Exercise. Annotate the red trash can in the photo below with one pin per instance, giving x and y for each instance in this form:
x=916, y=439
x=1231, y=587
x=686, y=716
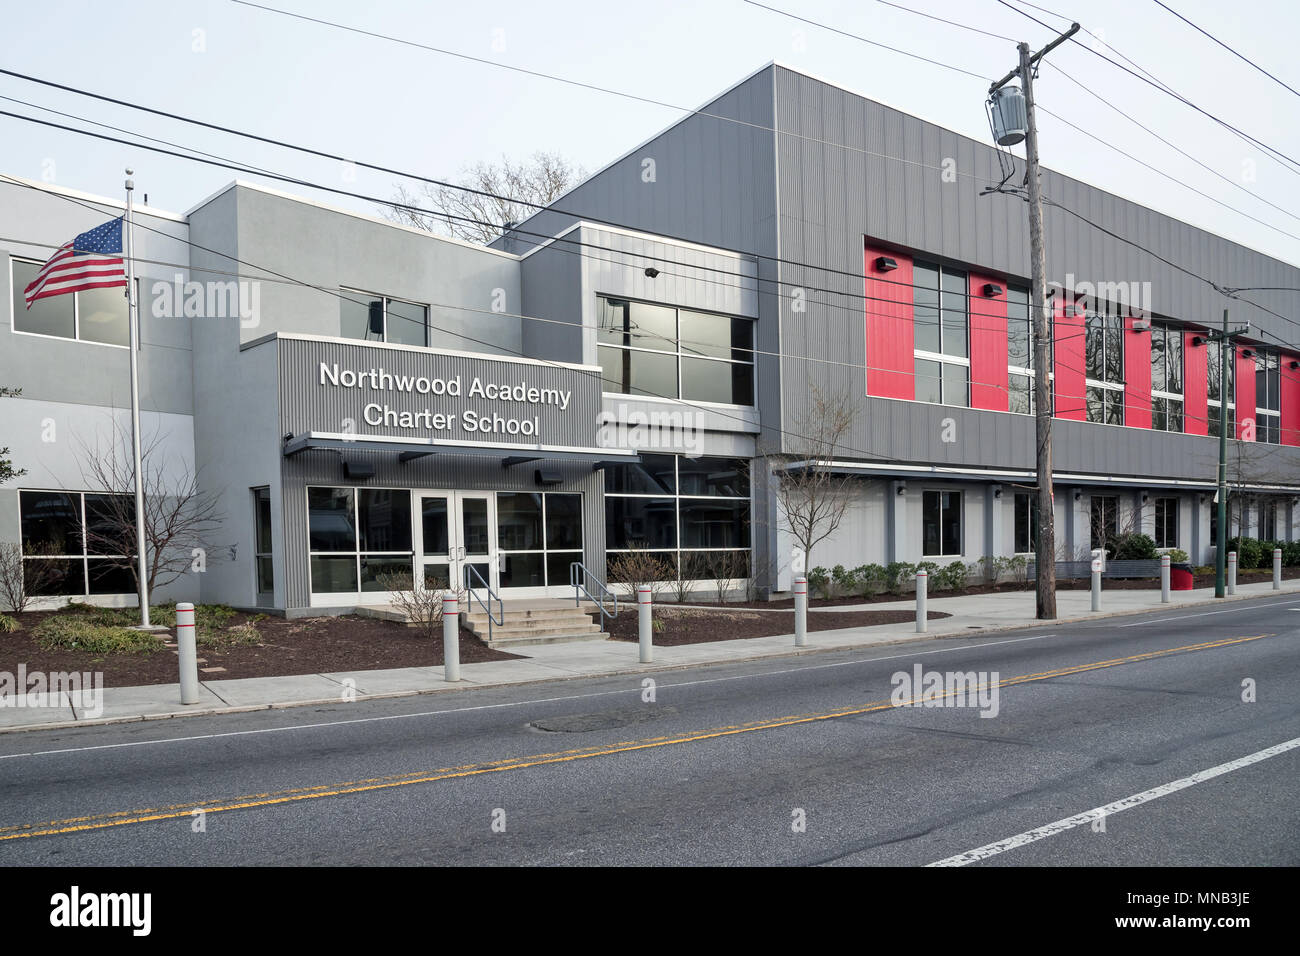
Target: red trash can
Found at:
x=1180, y=577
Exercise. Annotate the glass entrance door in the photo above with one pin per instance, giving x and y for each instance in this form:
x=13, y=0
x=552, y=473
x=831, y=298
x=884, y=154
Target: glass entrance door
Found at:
x=457, y=530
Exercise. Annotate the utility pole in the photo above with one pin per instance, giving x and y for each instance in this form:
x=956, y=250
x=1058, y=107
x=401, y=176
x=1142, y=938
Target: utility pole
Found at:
x=1227, y=353
x=1045, y=552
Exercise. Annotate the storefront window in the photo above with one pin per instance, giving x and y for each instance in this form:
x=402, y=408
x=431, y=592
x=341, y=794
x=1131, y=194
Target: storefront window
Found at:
x=539, y=536
x=693, y=514
x=350, y=555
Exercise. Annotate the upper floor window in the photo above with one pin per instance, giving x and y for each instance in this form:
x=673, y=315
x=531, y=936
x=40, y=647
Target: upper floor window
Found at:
x=94, y=315
x=941, y=343
x=375, y=318
x=1104, y=364
x=1214, y=369
x=1268, y=398
x=662, y=351
x=1020, y=352
x=1166, y=378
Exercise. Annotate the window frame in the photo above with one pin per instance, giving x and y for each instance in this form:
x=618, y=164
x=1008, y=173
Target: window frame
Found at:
x=1268, y=420
x=346, y=291
x=961, y=522
x=1214, y=406
x=76, y=313
x=676, y=495
x=1169, y=333
x=681, y=351
x=943, y=357
x=1111, y=392
x=356, y=552
x=1161, y=518
x=1031, y=521
x=85, y=556
x=545, y=550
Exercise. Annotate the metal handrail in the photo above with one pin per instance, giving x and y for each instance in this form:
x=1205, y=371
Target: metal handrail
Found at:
x=487, y=607
x=579, y=585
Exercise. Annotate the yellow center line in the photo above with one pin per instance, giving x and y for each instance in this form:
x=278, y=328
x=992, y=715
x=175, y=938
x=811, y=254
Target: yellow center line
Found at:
x=273, y=798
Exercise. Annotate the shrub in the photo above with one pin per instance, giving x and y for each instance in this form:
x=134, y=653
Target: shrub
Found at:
x=871, y=580
x=1249, y=552
x=639, y=567
x=1291, y=553
x=1178, y=556
x=952, y=577
x=845, y=581
x=75, y=632
x=8, y=624
x=1134, y=547
x=900, y=575
x=820, y=582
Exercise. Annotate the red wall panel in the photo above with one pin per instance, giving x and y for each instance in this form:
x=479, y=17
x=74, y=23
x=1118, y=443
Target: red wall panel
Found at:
x=1137, y=376
x=891, y=365
x=1195, y=385
x=988, y=345
x=1290, y=401
x=1245, y=395
x=1068, y=365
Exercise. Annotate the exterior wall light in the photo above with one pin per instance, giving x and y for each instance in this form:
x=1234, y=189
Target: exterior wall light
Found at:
x=992, y=291
x=885, y=264
x=1293, y=364
x=1198, y=340
x=651, y=272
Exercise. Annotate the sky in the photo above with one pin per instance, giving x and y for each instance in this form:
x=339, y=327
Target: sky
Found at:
x=433, y=114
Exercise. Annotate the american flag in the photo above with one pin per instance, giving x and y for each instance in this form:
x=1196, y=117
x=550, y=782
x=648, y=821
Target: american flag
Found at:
x=91, y=261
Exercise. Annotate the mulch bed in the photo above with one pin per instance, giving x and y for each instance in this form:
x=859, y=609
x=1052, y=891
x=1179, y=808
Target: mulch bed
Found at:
x=1253, y=576
x=304, y=646
x=695, y=626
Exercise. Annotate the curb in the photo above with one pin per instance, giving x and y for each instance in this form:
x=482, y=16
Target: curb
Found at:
x=792, y=651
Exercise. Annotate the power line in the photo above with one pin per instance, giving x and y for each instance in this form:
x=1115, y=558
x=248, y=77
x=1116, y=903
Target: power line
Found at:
x=1243, y=58
x=1294, y=165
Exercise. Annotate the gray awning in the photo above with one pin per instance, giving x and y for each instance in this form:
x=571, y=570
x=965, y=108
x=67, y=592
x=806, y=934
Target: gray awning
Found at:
x=508, y=455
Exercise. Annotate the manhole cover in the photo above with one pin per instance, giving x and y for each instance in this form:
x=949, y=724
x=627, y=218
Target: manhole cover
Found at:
x=610, y=719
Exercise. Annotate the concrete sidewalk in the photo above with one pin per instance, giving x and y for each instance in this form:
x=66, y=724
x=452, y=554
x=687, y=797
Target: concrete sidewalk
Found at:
x=972, y=616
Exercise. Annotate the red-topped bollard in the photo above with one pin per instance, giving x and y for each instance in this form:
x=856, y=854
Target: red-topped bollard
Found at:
x=450, y=638
x=801, y=611
x=644, y=625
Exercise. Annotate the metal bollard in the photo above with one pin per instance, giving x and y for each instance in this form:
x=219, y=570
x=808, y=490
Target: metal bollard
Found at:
x=801, y=612
x=187, y=648
x=644, y=626
x=1164, y=579
x=450, y=638
x=1096, y=586
x=922, y=583
x=1277, y=569
x=1232, y=572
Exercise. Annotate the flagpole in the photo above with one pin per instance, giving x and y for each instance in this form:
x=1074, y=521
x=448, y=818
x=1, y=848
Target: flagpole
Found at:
x=142, y=579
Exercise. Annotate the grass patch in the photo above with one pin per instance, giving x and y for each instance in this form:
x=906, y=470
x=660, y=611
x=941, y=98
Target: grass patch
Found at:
x=8, y=624
x=78, y=633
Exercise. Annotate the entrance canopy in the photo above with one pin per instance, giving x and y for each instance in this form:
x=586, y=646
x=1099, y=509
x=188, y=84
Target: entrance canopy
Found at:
x=408, y=449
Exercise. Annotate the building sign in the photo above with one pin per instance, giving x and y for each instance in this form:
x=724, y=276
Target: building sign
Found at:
x=382, y=391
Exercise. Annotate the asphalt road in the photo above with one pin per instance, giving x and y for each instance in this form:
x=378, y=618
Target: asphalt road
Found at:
x=795, y=761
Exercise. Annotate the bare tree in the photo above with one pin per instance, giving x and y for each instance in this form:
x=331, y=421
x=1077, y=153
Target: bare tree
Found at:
x=179, y=515
x=813, y=497
x=638, y=566
x=20, y=580
x=494, y=194
x=421, y=604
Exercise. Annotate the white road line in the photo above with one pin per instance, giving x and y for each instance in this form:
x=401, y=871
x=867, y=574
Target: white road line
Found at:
x=514, y=703
x=1097, y=813
x=1229, y=610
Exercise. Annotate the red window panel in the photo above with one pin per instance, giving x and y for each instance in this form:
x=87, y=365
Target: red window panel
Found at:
x=1245, y=396
x=988, y=344
x=1069, y=363
x=1137, y=376
x=1196, y=365
x=890, y=362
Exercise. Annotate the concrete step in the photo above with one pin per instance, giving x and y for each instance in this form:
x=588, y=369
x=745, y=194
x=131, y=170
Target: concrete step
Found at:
x=498, y=641
x=542, y=614
x=512, y=631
